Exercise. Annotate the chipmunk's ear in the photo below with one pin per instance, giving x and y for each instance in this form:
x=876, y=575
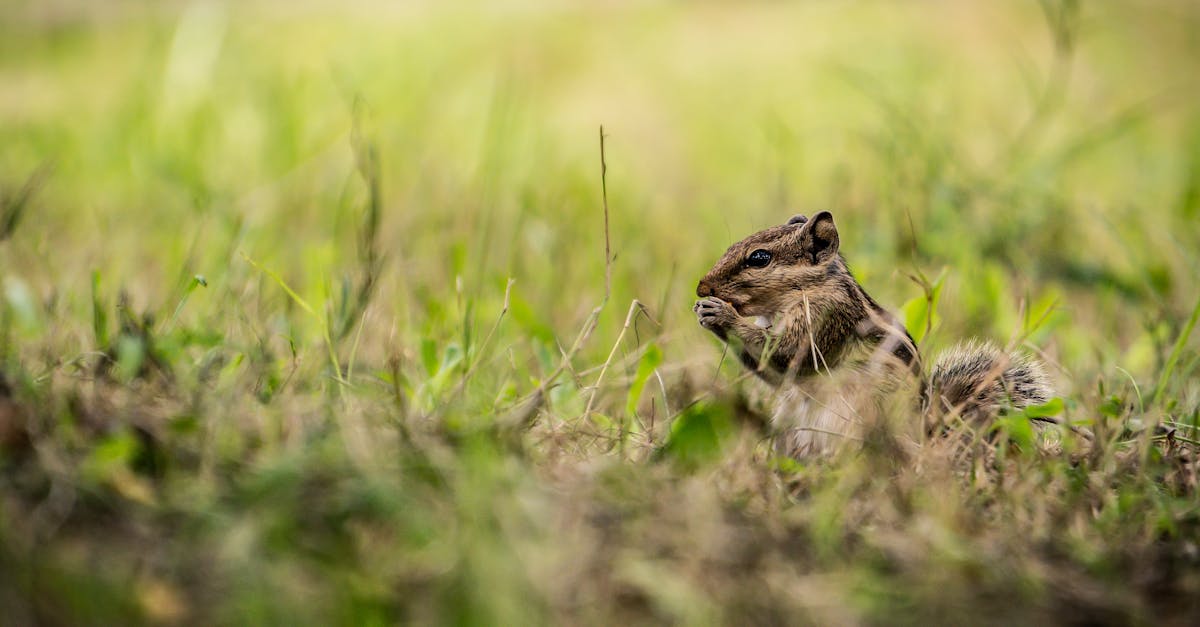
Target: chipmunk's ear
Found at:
x=819, y=238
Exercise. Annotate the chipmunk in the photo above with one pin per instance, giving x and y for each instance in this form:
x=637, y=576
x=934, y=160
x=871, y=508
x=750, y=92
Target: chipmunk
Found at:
x=785, y=301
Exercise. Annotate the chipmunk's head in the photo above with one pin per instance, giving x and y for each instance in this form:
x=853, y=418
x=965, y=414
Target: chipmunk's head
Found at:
x=760, y=274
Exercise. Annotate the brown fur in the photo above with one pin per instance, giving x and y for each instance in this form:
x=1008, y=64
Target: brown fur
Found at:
x=816, y=308
x=802, y=314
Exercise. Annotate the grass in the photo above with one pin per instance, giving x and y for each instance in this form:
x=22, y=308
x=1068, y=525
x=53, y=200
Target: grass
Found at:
x=335, y=316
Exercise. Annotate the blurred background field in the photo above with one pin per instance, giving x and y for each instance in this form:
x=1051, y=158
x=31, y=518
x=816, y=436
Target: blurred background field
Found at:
x=261, y=360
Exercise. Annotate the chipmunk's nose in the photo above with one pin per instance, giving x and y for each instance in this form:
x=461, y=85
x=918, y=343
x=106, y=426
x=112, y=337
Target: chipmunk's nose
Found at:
x=704, y=289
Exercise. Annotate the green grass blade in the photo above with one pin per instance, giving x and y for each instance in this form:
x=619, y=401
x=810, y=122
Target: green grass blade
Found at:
x=1180, y=342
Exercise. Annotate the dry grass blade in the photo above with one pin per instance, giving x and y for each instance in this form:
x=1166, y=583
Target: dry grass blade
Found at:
x=604, y=203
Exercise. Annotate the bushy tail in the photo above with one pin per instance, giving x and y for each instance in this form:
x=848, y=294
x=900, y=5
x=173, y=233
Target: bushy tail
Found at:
x=976, y=380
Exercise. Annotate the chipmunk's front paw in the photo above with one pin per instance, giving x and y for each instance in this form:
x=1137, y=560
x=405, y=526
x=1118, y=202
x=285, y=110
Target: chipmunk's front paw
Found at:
x=715, y=315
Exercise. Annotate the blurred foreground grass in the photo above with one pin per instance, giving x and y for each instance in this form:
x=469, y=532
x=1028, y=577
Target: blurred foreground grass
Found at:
x=261, y=360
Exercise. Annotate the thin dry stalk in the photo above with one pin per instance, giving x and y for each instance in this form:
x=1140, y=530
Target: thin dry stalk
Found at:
x=634, y=307
x=604, y=199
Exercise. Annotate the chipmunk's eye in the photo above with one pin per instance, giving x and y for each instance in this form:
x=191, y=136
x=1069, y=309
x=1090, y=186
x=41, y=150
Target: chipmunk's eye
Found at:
x=758, y=258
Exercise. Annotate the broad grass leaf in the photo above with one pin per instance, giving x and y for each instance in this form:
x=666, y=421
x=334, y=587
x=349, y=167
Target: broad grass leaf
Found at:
x=915, y=312
x=920, y=313
x=1112, y=407
x=429, y=356
x=1018, y=429
x=651, y=359
x=697, y=435
x=1052, y=407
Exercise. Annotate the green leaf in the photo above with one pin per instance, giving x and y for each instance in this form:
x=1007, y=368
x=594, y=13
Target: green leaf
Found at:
x=429, y=356
x=921, y=312
x=1052, y=407
x=1018, y=429
x=698, y=435
x=650, y=361
x=1113, y=406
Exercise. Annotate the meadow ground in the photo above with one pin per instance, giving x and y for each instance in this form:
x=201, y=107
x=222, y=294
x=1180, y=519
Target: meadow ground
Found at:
x=306, y=316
